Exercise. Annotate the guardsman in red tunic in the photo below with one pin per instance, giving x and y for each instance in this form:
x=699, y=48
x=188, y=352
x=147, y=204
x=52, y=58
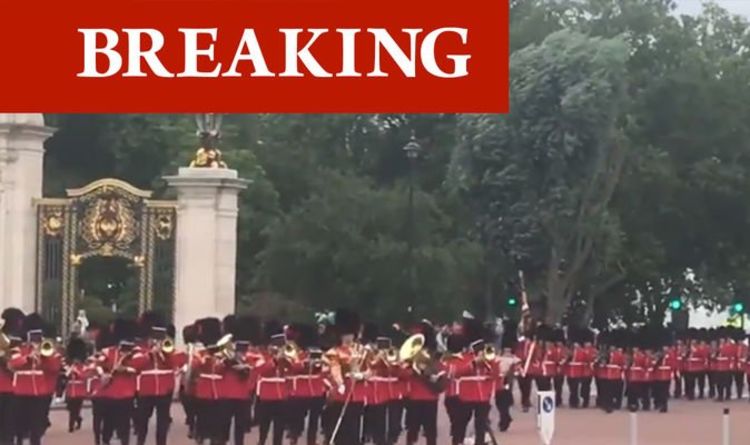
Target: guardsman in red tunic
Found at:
x=476, y=386
x=558, y=353
x=544, y=361
x=679, y=350
x=456, y=362
x=526, y=346
x=208, y=367
x=348, y=374
x=104, y=339
x=695, y=364
x=236, y=385
x=156, y=381
x=34, y=365
x=722, y=364
x=577, y=368
x=187, y=377
x=307, y=385
x=76, y=376
x=118, y=366
x=424, y=380
x=610, y=370
x=637, y=375
x=663, y=369
x=11, y=325
x=738, y=335
x=588, y=370
x=271, y=409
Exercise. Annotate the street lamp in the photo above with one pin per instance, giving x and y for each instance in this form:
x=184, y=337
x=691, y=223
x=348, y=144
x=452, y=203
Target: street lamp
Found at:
x=412, y=150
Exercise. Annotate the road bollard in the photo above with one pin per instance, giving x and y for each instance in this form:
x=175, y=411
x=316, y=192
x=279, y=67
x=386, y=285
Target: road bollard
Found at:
x=633, y=428
x=725, y=428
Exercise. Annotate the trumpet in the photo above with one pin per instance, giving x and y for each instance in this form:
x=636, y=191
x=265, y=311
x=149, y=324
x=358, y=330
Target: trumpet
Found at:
x=489, y=353
x=391, y=355
x=167, y=346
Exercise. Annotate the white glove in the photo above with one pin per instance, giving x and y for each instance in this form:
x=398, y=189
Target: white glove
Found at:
x=341, y=389
x=358, y=376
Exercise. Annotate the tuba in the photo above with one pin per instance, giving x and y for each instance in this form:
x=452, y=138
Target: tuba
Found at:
x=423, y=364
x=5, y=343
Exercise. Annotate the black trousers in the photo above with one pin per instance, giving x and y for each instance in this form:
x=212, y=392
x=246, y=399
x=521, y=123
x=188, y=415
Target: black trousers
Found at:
x=480, y=411
x=456, y=413
x=116, y=418
x=693, y=381
x=97, y=420
x=558, y=382
x=739, y=383
x=421, y=415
x=395, y=416
x=301, y=409
x=638, y=396
x=74, y=413
x=375, y=423
x=349, y=429
x=268, y=413
x=503, y=402
x=238, y=415
x=543, y=383
x=524, y=384
x=31, y=417
x=146, y=408
x=661, y=395
x=678, y=385
x=610, y=394
x=188, y=406
x=723, y=382
x=7, y=429
x=579, y=390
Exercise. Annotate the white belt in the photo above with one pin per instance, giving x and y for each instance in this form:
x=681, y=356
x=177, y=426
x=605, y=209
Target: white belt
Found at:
x=272, y=380
x=211, y=376
x=30, y=372
x=157, y=372
x=614, y=366
x=384, y=379
x=576, y=363
x=722, y=359
x=664, y=368
x=477, y=378
x=636, y=368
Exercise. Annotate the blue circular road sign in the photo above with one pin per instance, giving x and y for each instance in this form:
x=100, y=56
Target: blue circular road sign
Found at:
x=548, y=404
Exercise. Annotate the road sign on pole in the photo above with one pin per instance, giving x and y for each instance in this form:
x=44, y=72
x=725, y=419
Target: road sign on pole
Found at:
x=546, y=415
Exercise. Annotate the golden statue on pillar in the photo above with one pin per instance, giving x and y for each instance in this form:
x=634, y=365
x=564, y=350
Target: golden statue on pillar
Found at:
x=209, y=132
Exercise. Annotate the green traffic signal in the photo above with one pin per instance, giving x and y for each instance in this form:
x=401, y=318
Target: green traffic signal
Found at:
x=675, y=304
x=738, y=307
x=512, y=301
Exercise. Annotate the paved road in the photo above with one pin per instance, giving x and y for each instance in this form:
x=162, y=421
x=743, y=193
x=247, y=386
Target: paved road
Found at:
x=687, y=423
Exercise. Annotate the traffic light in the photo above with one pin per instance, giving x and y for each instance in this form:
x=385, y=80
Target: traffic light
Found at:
x=675, y=303
x=512, y=301
x=738, y=307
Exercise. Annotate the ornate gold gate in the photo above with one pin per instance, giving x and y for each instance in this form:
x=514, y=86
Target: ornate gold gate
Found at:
x=106, y=218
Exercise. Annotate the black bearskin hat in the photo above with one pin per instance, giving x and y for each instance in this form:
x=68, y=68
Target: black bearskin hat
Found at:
x=33, y=322
x=271, y=328
x=307, y=336
x=347, y=322
x=229, y=325
x=247, y=328
x=171, y=330
x=76, y=349
x=509, y=338
x=472, y=329
x=558, y=335
x=152, y=319
x=455, y=343
x=370, y=333
x=124, y=330
x=425, y=328
x=13, y=318
x=209, y=330
x=190, y=333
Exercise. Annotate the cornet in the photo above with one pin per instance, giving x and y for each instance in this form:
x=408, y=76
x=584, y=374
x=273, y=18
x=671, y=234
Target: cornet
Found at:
x=167, y=346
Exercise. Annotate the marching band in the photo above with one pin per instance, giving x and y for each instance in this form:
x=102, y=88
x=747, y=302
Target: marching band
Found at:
x=347, y=381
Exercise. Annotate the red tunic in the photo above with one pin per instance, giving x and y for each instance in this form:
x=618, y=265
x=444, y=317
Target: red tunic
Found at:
x=75, y=388
x=306, y=380
x=121, y=383
x=32, y=377
x=343, y=357
x=6, y=381
x=579, y=365
x=697, y=359
x=209, y=372
x=382, y=384
x=271, y=380
x=613, y=369
x=724, y=360
x=455, y=366
x=639, y=368
x=478, y=385
x=663, y=372
x=158, y=377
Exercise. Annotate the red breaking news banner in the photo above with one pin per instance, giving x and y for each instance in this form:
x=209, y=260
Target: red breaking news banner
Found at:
x=255, y=56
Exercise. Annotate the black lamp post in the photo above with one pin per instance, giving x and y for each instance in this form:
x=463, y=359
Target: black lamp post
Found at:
x=412, y=149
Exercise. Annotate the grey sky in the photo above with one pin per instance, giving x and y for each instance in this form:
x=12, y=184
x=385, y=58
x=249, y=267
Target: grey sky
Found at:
x=741, y=7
